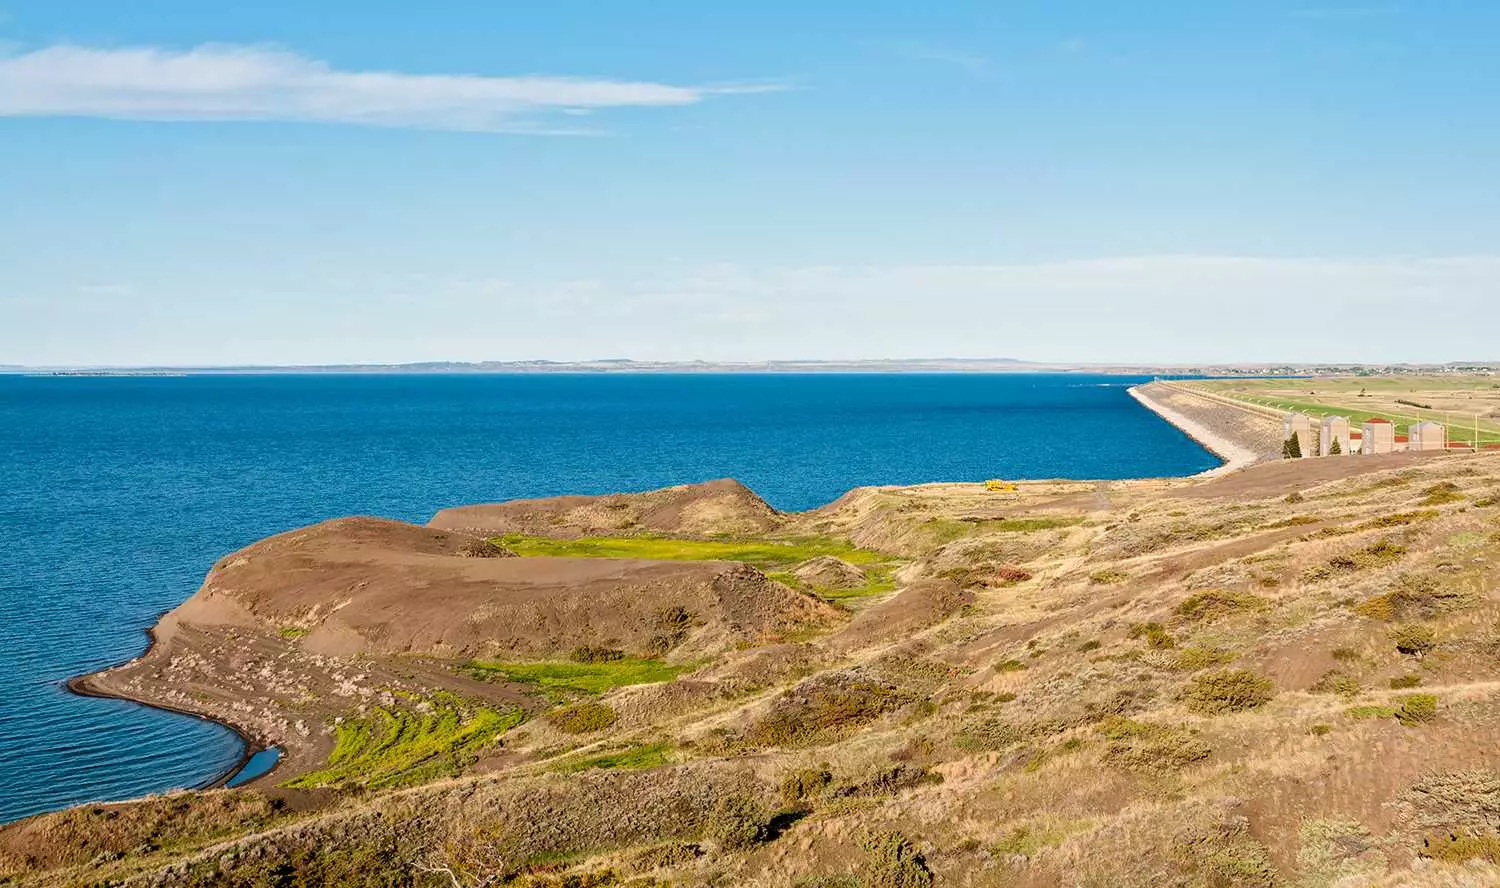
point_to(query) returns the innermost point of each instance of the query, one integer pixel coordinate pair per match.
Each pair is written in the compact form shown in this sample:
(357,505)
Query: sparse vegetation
(1108,577)
(1402,682)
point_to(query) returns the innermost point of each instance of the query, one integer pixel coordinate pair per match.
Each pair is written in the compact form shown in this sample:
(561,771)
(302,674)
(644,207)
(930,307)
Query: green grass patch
(428,738)
(764,554)
(650,755)
(291,632)
(580,678)
(878,581)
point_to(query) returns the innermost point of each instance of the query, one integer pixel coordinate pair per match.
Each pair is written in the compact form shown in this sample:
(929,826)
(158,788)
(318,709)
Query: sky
(282,182)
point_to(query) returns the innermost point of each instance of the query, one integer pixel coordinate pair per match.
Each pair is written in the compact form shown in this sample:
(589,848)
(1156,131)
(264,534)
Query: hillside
(1280,676)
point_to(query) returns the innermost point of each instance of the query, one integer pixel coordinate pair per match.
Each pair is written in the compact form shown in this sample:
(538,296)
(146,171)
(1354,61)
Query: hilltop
(1279,676)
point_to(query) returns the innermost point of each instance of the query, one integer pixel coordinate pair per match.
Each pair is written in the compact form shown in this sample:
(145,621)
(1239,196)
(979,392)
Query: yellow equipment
(997,484)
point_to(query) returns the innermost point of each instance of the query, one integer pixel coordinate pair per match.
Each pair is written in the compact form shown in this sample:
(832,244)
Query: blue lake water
(118,494)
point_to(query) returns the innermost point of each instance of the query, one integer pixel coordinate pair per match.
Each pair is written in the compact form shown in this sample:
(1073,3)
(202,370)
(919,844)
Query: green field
(764,554)
(578,678)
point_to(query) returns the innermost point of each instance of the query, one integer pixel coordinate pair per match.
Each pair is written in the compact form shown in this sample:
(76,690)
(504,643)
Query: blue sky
(297,182)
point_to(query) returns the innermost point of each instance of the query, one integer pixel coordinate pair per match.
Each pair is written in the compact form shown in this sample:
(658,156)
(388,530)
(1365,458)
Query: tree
(1292,449)
(1335,449)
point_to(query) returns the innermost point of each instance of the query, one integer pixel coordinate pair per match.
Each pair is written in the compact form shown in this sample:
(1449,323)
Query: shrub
(1009,575)
(592,654)
(1294,498)
(1417,709)
(1399,519)
(1228,690)
(1402,682)
(894,863)
(1414,597)
(1215,603)
(1148,748)
(1155,634)
(1439,494)
(1344,654)
(800,785)
(1466,801)
(1414,639)
(1193,659)
(1458,849)
(1378,554)
(1010,666)
(1108,577)
(484,549)
(824,707)
(737,822)
(1320,730)
(1092,644)
(1336,682)
(583,718)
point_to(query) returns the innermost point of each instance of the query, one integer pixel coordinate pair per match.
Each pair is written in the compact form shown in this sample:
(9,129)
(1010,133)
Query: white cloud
(227,82)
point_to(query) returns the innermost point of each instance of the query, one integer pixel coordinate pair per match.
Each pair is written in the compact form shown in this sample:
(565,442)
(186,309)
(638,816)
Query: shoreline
(1236,456)
(83,686)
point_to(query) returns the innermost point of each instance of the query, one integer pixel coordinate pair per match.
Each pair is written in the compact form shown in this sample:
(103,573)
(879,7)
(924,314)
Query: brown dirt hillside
(1282,678)
(724,507)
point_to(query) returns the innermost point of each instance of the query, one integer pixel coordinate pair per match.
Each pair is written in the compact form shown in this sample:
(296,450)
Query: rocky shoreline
(1241,438)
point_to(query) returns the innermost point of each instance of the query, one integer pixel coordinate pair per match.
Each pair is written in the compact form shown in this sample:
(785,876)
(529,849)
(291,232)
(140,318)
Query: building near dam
(1299,425)
(1334,429)
(1427,436)
(1379,437)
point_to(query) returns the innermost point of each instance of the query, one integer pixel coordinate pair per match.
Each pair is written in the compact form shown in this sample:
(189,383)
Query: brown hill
(372,586)
(724,507)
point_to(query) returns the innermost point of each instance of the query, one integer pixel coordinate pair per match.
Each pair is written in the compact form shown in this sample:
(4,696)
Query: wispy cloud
(969,63)
(228,82)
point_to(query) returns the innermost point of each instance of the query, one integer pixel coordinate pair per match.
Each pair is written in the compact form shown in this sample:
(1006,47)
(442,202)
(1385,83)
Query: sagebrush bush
(1462,848)
(1144,747)
(1413,639)
(894,862)
(738,822)
(1228,690)
(1154,633)
(1335,682)
(1417,709)
(1211,604)
(591,654)
(805,783)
